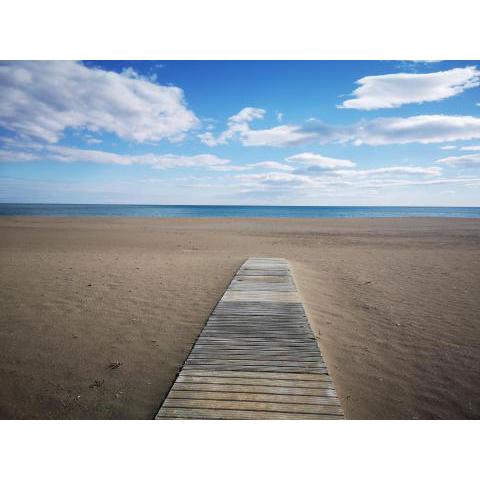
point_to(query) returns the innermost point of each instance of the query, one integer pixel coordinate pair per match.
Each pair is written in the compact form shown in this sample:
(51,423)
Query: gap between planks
(256,357)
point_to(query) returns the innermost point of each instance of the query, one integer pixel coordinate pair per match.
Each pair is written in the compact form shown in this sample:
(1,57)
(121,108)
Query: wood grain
(256,357)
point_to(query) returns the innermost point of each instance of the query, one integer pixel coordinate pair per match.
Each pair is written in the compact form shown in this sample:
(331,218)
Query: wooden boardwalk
(256,357)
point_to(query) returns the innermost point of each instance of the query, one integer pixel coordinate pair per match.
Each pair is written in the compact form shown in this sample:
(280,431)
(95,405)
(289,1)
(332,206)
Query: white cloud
(247,115)
(471,160)
(237,125)
(42,99)
(68,155)
(273,165)
(276,180)
(279,116)
(448,147)
(230,168)
(11,156)
(91,140)
(394,90)
(395,170)
(320,161)
(417,129)
(346,180)
(208,139)
(471,148)
(378,131)
(281,136)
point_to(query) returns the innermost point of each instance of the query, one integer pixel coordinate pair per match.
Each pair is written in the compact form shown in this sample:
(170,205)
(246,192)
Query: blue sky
(218,132)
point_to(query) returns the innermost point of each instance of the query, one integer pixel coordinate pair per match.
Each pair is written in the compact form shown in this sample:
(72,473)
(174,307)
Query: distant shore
(99,313)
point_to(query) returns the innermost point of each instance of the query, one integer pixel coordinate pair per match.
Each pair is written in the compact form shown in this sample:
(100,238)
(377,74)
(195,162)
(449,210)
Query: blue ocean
(222,211)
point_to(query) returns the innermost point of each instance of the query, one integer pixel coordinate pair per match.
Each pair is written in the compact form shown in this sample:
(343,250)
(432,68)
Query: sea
(230,211)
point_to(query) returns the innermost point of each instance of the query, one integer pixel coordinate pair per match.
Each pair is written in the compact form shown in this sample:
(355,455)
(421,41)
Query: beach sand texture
(98,314)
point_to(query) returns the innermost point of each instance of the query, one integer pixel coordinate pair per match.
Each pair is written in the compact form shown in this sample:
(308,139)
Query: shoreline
(392,301)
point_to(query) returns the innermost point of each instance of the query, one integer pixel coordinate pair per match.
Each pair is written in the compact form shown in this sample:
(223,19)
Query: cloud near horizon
(330,181)
(471,148)
(69,155)
(397,89)
(320,161)
(468,161)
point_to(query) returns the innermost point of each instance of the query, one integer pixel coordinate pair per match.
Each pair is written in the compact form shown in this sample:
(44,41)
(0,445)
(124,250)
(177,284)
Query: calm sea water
(191,211)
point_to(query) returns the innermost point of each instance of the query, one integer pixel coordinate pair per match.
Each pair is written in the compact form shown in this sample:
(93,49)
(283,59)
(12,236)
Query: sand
(97,315)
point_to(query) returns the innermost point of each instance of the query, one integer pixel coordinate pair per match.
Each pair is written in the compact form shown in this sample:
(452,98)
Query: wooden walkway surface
(256,357)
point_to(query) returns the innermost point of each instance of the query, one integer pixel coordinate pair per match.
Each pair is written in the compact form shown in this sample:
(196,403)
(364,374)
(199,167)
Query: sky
(241,132)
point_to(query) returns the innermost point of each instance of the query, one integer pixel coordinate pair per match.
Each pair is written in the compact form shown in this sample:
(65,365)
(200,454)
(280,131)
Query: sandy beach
(98,314)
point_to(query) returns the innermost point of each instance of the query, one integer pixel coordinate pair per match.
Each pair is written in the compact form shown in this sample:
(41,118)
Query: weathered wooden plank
(267,349)
(218,344)
(272,369)
(254,362)
(240,388)
(252,397)
(260,327)
(261,374)
(265,335)
(190,377)
(216,414)
(256,357)
(247,405)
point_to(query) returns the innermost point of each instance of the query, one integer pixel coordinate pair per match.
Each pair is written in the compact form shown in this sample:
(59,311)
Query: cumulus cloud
(247,115)
(68,155)
(471,160)
(394,90)
(237,125)
(378,131)
(320,161)
(41,99)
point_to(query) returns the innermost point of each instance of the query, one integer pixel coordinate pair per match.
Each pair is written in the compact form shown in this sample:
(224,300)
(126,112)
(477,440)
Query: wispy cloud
(320,161)
(395,170)
(417,129)
(394,90)
(43,99)
(471,148)
(68,155)
(344,180)
(273,165)
(471,160)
